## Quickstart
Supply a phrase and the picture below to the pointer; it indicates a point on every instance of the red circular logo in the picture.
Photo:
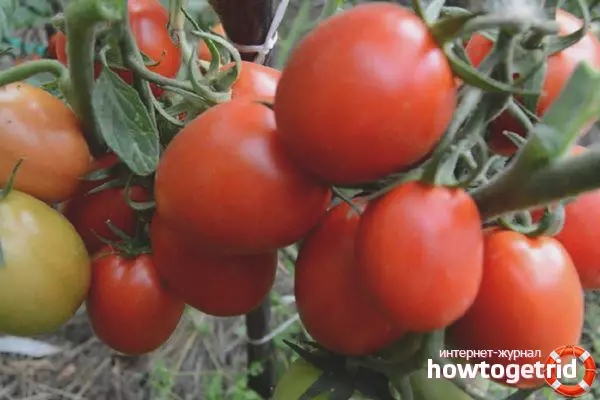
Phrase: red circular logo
(585, 384)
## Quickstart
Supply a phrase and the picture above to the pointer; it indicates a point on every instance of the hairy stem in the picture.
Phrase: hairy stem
(82, 18)
(32, 68)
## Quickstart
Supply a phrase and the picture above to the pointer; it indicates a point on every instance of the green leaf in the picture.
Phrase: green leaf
(125, 123)
(433, 10)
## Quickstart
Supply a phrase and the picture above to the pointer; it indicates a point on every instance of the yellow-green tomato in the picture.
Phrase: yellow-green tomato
(296, 381)
(45, 269)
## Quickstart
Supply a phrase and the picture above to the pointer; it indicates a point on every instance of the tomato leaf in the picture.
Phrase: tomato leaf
(126, 124)
(433, 10)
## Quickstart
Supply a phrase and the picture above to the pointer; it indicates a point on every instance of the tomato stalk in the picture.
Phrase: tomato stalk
(541, 174)
(32, 68)
(81, 19)
(129, 48)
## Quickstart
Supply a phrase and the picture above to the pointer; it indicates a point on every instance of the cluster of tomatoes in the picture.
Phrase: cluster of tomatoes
(366, 94)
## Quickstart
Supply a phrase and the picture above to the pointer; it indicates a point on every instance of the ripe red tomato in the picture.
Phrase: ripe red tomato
(326, 280)
(45, 133)
(149, 21)
(129, 308)
(367, 93)
(219, 285)
(255, 82)
(530, 299)
(225, 180)
(89, 213)
(560, 68)
(420, 253)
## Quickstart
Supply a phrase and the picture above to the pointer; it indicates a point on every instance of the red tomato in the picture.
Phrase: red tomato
(420, 253)
(255, 82)
(149, 21)
(40, 129)
(203, 52)
(327, 284)
(580, 234)
(530, 299)
(89, 213)
(225, 180)
(560, 68)
(367, 93)
(219, 285)
(128, 307)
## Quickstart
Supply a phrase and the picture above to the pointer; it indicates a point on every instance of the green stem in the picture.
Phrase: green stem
(404, 388)
(82, 18)
(129, 48)
(176, 26)
(519, 23)
(32, 68)
(517, 190)
(541, 175)
(137, 67)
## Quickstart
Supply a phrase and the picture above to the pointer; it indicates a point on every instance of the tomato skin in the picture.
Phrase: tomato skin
(89, 213)
(560, 68)
(296, 380)
(128, 307)
(239, 187)
(530, 299)
(46, 271)
(203, 52)
(255, 82)
(148, 20)
(366, 93)
(581, 215)
(420, 253)
(218, 285)
(580, 235)
(326, 279)
(52, 145)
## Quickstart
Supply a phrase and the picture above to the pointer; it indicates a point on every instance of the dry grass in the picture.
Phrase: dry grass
(205, 359)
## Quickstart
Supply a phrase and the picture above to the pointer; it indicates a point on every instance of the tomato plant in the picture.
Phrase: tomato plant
(91, 213)
(129, 307)
(527, 283)
(420, 286)
(149, 21)
(203, 52)
(325, 279)
(44, 268)
(297, 380)
(220, 285)
(44, 132)
(247, 195)
(559, 68)
(352, 119)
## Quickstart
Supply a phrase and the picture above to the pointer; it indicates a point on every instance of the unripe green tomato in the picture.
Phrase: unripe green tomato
(296, 381)
(44, 267)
